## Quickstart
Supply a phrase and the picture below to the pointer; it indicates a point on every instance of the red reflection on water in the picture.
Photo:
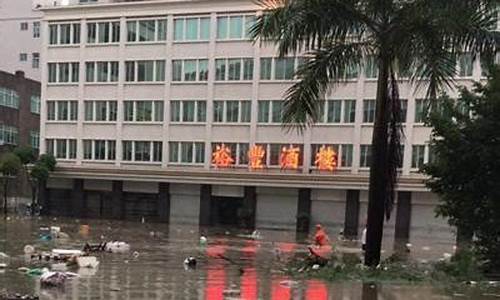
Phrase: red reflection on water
(216, 275)
(216, 281)
(316, 290)
(280, 291)
(215, 250)
(286, 247)
(249, 286)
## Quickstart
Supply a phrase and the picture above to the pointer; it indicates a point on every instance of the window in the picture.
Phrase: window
(61, 148)
(365, 156)
(404, 110)
(23, 56)
(417, 156)
(278, 68)
(316, 147)
(62, 110)
(191, 28)
(346, 155)
(35, 104)
(333, 111)
(35, 63)
(149, 30)
(9, 135)
(35, 139)
(465, 65)
(186, 152)
(234, 27)
(371, 67)
(263, 111)
(103, 32)
(232, 111)
(284, 68)
(486, 63)
(101, 111)
(368, 111)
(64, 34)
(234, 69)
(63, 72)
(145, 71)
(421, 107)
(24, 26)
(143, 111)
(266, 68)
(36, 29)
(349, 111)
(102, 71)
(270, 111)
(239, 152)
(99, 150)
(9, 98)
(142, 151)
(189, 70)
(274, 151)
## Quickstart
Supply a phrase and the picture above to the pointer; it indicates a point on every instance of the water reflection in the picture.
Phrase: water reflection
(229, 266)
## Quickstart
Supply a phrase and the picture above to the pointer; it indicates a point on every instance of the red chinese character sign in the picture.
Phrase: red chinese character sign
(256, 158)
(326, 159)
(289, 157)
(221, 157)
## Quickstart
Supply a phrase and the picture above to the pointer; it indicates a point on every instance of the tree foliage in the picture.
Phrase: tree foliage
(419, 39)
(26, 154)
(465, 170)
(10, 164)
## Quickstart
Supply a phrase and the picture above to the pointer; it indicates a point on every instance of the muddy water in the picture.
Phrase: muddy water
(250, 270)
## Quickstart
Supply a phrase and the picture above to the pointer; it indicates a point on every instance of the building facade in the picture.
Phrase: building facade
(20, 32)
(139, 98)
(19, 111)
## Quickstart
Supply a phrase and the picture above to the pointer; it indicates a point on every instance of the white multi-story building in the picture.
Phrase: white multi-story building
(136, 95)
(21, 39)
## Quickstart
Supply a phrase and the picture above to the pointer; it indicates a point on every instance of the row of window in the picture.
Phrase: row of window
(35, 59)
(35, 104)
(36, 28)
(224, 111)
(8, 135)
(194, 152)
(196, 28)
(9, 98)
(192, 70)
(183, 70)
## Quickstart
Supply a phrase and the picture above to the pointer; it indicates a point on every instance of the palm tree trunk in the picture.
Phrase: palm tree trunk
(379, 165)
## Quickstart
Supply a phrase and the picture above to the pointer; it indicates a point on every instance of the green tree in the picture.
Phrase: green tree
(36, 170)
(10, 165)
(421, 39)
(465, 170)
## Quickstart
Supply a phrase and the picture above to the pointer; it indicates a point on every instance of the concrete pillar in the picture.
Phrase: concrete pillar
(403, 217)
(206, 205)
(117, 200)
(78, 199)
(250, 205)
(351, 223)
(164, 202)
(304, 211)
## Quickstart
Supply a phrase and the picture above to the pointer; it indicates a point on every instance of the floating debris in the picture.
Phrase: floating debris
(190, 261)
(18, 297)
(28, 249)
(87, 262)
(426, 248)
(117, 247)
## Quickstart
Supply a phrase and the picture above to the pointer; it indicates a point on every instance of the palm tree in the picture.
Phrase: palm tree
(418, 39)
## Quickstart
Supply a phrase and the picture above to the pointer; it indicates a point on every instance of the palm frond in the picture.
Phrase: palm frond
(302, 25)
(324, 68)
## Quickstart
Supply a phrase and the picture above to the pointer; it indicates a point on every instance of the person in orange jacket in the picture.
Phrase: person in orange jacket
(320, 237)
(321, 250)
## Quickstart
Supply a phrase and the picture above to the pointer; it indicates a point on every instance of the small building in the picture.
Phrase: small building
(19, 111)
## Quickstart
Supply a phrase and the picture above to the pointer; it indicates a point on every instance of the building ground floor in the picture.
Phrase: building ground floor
(238, 199)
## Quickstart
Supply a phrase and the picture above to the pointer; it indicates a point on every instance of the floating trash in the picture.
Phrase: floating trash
(190, 261)
(87, 262)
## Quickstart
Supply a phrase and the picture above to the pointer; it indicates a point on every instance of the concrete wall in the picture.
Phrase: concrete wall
(184, 203)
(328, 208)
(276, 208)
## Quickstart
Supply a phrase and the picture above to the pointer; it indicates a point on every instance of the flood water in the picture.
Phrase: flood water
(251, 269)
